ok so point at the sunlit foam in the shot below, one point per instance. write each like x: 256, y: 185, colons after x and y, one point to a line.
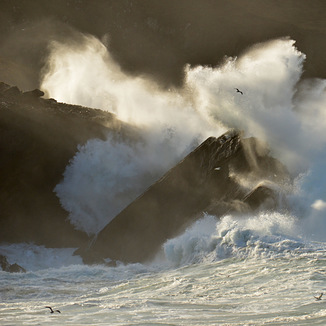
x: 276, y: 106
x: 84, y: 73
x: 263, y: 234
x: 319, y: 205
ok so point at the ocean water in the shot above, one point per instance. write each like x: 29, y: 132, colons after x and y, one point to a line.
x: 258, y: 269
x: 227, y: 272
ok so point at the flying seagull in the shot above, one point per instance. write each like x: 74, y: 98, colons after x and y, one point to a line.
x: 319, y: 297
x: 238, y: 91
x: 52, y: 311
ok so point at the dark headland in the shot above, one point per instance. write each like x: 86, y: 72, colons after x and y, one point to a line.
x: 39, y: 136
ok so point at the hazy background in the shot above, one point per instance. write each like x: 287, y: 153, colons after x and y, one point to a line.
x: 157, y: 37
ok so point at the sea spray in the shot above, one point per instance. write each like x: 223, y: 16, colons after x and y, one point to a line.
x: 105, y: 176
x: 267, y: 74
x: 275, y: 107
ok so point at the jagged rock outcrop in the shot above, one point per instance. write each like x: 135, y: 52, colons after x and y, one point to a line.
x: 11, y: 268
x: 206, y: 180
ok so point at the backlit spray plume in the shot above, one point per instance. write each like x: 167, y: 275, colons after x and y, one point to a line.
x: 277, y: 107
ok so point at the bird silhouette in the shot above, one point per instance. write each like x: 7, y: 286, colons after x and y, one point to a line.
x: 238, y: 91
x: 52, y: 311
x: 319, y: 297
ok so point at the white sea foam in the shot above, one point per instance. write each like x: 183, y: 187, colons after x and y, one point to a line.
x: 263, y: 235
x: 33, y: 257
x: 277, y: 106
x: 238, y: 291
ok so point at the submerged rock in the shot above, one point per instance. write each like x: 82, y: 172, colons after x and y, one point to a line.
x: 205, y: 180
x: 11, y: 268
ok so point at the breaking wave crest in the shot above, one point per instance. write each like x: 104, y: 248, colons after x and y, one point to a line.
x: 265, y: 235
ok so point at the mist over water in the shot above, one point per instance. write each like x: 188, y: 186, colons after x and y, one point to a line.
x: 277, y: 106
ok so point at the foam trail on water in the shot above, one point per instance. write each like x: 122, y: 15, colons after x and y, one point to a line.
x: 277, y: 106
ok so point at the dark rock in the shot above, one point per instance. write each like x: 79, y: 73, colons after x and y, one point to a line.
x: 262, y: 196
x: 12, y: 92
x: 4, y: 263
x: 36, y: 93
x: 200, y: 182
x: 11, y: 268
x: 15, y: 268
x: 3, y: 87
x: 38, y: 138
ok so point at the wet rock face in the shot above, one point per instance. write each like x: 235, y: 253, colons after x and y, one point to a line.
x: 201, y: 182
